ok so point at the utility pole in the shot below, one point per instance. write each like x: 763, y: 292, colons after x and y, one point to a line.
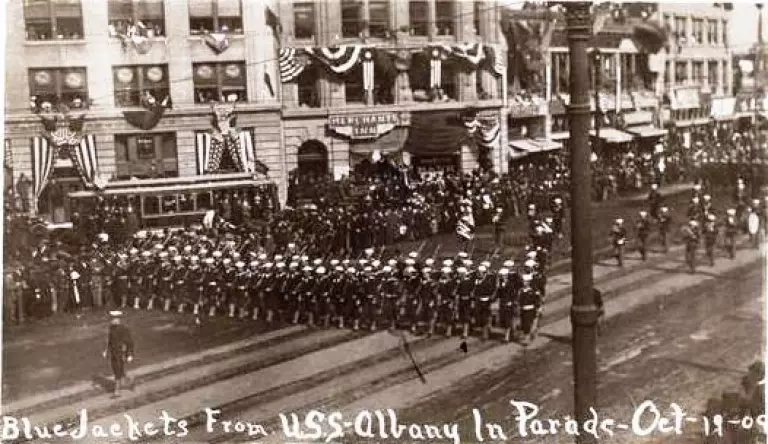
x: 756, y: 147
x: 584, y: 313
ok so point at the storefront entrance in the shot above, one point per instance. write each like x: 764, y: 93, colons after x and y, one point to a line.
x: 53, y: 204
x: 313, y: 159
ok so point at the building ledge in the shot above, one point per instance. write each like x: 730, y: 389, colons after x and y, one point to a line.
x: 55, y: 42
x: 117, y: 113
x: 298, y: 113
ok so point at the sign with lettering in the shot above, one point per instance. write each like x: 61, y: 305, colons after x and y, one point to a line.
x: 367, y: 126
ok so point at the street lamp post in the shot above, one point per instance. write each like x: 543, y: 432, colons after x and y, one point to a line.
x: 584, y: 313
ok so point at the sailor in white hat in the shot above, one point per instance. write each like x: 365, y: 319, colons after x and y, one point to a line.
x: 119, y: 350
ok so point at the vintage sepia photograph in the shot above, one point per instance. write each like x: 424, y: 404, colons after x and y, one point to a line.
x: 384, y: 221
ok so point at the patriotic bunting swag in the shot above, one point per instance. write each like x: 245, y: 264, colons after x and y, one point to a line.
x: 210, y: 146
x: 291, y: 64
x: 217, y: 41
x: 368, y: 77
x: 45, y: 151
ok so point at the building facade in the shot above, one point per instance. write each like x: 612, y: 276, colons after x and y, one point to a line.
x: 364, y: 79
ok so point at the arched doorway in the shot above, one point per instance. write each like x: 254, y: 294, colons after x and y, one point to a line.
x: 313, y: 159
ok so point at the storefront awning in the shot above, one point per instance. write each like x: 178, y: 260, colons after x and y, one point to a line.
x: 560, y: 135
x: 435, y: 134
x: 531, y: 146
x: 612, y: 135
x: 390, y: 142
x: 647, y: 131
x: 723, y: 108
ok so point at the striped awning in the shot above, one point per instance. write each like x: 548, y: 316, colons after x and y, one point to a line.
x: 612, y: 135
x: 534, y: 146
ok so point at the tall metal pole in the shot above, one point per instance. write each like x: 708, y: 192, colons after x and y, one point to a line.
x: 758, y: 94
x: 583, y: 312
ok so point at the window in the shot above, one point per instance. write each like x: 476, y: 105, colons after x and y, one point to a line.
x: 135, y: 85
x: 446, y: 16
x: 725, y: 33
x: 53, y: 19
x: 681, y: 72
x: 146, y: 156
x: 309, y: 95
x: 418, y: 17
x: 58, y: 86
x: 353, y: 85
x: 713, y: 34
x: 681, y: 29
x: 124, y: 13
x: 351, y: 18
x: 698, y: 72
x: 698, y: 31
x: 378, y: 11
x: 215, y: 16
x: 219, y: 82
x: 304, y: 20
x: 450, y: 81
x: 712, y: 74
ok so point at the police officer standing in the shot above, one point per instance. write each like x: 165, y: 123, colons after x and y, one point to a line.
x: 664, y: 224
x: 710, y: 238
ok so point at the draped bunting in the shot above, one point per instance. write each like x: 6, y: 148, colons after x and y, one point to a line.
x: 291, y: 65
x: 147, y: 118
x: 368, y: 77
x: 435, y: 133
x: 472, y: 53
x: 42, y: 163
x: 435, y: 69
x: 202, y: 152
x: 8, y: 159
x: 218, y: 42
x: 495, y: 61
x: 44, y: 154
x: 339, y: 59
x: 486, y: 132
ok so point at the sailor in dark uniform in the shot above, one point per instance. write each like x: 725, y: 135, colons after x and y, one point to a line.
x: 448, y: 298
x: 665, y: 221
x: 710, y: 231
x: 464, y: 290
x: 530, y: 304
x: 484, y: 294
x: 643, y: 227
x: 507, y: 293
x: 119, y: 349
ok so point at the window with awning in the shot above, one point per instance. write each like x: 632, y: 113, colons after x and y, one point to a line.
x: 647, y: 131
x: 436, y: 133
x: 524, y: 147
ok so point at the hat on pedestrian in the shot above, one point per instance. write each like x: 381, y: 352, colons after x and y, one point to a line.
x: 392, y: 262
x: 426, y: 270
x: 226, y: 261
x: 707, y: 197
x: 158, y: 246
x: 368, y: 269
x: 293, y: 265
x: 280, y: 265
x: 146, y: 253
x: 693, y: 223
x: 345, y: 262
x: 235, y: 255
x: 278, y: 257
x: 362, y: 261
x: 410, y: 270
x: 194, y: 258
x: 304, y: 258
x: 134, y: 251
x: 711, y: 217
x: 163, y: 255
x: 262, y: 256
x: 664, y: 209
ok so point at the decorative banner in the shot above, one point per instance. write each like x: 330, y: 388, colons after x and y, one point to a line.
x: 368, y: 77
x: 74, y: 80
x: 204, y: 72
x: 202, y: 152
x: 84, y: 157
x: 291, y: 64
x: 124, y: 75
x: 367, y: 126
x: 435, y: 69
x: 155, y: 74
x: 43, y: 78
x: 339, y: 59
x: 469, y: 52
x: 43, y: 156
x: 8, y: 158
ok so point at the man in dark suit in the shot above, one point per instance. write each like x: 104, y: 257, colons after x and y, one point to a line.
x: 119, y: 350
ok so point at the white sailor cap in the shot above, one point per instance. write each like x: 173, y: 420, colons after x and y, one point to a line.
x: 482, y: 268
x: 509, y: 263
x: 158, y: 246
x: 267, y: 265
x: 485, y: 264
x: 209, y: 261
x: 376, y: 263
x: 643, y: 213
x: 317, y: 262
x: 410, y: 270
x: 446, y: 270
x: 369, y: 251
x: 429, y: 262
x: 339, y: 268
x: 362, y: 262
x: 291, y: 245
x: 527, y: 277
x: 163, y: 255
x: 306, y: 268
x: 334, y: 262
x: 463, y: 254
x: 226, y: 261
x: 426, y: 270
x: 133, y: 251
x: 217, y: 254
x: 262, y: 256
x: 368, y: 269
x: 462, y: 270
x: 410, y: 261
x: 194, y: 259
x: 530, y: 263
x: 345, y: 262
x: 619, y: 221
x: 320, y: 270
x: 115, y: 313
x: 503, y: 271
x: 278, y: 257
x: 351, y: 270
x: 448, y: 262
x: 146, y: 253
x: 187, y: 248
x: 293, y: 265
x: 413, y: 254
x: 239, y: 264
x: 467, y: 262
x: 731, y: 211
x: 177, y: 258
x: 387, y: 269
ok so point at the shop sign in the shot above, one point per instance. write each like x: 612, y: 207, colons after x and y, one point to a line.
x: 638, y: 118
x: 686, y: 98
x: 723, y: 107
x: 644, y: 100
x: 367, y: 126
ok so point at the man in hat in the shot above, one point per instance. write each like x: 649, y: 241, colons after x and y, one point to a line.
x: 664, y: 224
x: 731, y: 230
x: 119, y: 350
x: 691, y: 239
x: 618, y: 238
x: 710, y: 238
x: 654, y: 201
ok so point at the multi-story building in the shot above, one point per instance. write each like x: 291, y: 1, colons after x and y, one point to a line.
x: 105, y: 59
x: 698, y: 73
x: 316, y: 86
x: 422, y: 64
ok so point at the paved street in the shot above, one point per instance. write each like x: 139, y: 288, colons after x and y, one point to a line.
x: 670, y: 336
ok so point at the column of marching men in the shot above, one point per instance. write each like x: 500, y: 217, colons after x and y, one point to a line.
x: 704, y: 225
x: 191, y: 273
